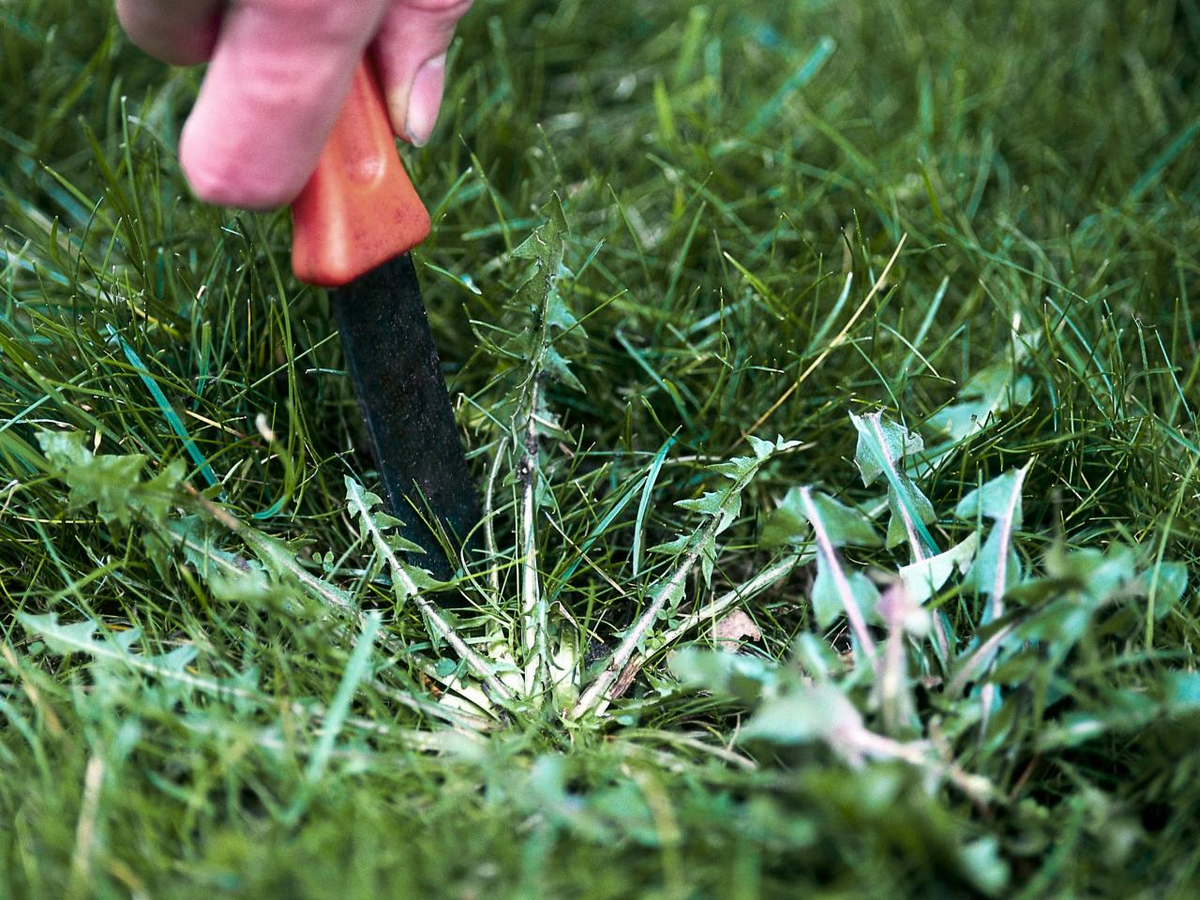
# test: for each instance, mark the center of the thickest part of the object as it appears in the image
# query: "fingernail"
(424, 100)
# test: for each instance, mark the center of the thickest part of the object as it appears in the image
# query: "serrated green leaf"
(64, 449)
(179, 658)
(924, 578)
(762, 449)
(898, 529)
(1169, 582)
(836, 522)
(997, 567)
(557, 367)
(668, 592)
(112, 646)
(802, 716)
(113, 483)
(998, 500)
(539, 245)
(560, 317)
(745, 677)
(829, 601)
(61, 639)
(678, 545)
(107, 481)
(708, 556)
(993, 390)
(882, 448)
(406, 579)
(279, 561)
(787, 525)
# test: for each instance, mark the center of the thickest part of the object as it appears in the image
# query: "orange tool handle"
(358, 209)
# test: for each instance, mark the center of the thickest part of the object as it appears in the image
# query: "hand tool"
(353, 225)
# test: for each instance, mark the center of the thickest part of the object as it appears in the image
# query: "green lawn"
(817, 292)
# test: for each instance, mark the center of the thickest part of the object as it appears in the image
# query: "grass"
(947, 253)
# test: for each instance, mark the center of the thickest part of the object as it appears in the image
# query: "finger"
(180, 33)
(410, 52)
(278, 77)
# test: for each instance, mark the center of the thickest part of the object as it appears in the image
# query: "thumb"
(410, 54)
(270, 97)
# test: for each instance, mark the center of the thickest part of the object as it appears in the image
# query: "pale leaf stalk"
(672, 586)
(939, 635)
(533, 606)
(919, 551)
(869, 745)
(827, 551)
(597, 690)
(404, 587)
(459, 718)
(1000, 585)
(987, 695)
(769, 576)
(709, 612)
(316, 587)
(895, 606)
(489, 511)
(85, 828)
(499, 650)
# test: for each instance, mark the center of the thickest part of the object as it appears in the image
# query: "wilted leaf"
(732, 628)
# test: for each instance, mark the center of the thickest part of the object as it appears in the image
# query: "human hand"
(278, 73)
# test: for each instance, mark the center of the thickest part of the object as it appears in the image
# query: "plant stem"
(533, 606)
(594, 695)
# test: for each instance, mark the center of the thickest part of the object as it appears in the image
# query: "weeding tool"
(354, 223)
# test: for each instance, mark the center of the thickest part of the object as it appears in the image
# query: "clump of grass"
(829, 377)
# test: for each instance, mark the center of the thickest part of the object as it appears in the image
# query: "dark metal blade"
(393, 362)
